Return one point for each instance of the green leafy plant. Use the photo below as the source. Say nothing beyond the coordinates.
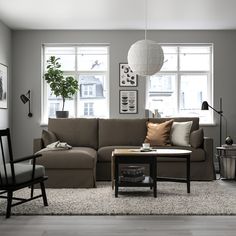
(60, 85)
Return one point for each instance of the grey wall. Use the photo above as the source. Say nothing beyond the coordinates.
(27, 72)
(5, 58)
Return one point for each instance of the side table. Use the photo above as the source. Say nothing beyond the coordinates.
(226, 157)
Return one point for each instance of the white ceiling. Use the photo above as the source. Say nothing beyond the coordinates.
(118, 14)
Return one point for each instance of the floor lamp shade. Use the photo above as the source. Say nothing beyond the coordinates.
(145, 57)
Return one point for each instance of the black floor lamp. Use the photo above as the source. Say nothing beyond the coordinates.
(205, 106)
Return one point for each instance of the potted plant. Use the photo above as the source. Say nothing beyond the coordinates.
(62, 86)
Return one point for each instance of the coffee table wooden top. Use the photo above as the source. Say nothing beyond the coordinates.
(153, 152)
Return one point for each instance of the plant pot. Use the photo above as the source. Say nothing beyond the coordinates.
(62, 114)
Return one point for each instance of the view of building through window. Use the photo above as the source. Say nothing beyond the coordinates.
(89, 65)
(183, 83)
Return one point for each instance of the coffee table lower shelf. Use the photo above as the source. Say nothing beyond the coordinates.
(147, 182)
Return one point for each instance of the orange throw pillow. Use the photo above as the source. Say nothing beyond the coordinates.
(158, 134)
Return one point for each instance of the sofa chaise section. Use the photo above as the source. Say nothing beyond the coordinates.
(75, 167)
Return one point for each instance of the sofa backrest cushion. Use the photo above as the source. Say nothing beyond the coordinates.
(195, 124)
(129, 132)
(77, 132)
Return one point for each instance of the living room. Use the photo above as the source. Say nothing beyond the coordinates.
(26, 33)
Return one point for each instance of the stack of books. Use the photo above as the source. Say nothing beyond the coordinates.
(132, 174)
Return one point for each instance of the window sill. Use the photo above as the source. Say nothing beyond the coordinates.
(207, 124)
(43, 124)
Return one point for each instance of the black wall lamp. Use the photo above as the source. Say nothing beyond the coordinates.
(205, 106)
(26, 98)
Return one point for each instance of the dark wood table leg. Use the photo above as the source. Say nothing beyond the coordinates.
(154, 176)
(116, 177)
(188, 173)
(151, 171)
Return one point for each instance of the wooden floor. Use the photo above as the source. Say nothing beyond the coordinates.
(120, 225)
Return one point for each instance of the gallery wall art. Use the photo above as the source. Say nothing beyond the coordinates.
(127, 77)
(3, 86)
(128, 101)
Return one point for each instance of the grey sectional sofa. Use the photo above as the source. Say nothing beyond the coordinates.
(93, 141)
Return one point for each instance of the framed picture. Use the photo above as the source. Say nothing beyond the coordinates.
(3, 86)
(128, 101)
(127, 77)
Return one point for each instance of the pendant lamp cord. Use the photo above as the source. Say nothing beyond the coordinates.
(145, 8)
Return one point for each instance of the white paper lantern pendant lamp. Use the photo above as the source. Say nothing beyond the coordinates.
(145, 57)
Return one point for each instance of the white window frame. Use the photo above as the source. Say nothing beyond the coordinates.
(179, 73)
(76, 73)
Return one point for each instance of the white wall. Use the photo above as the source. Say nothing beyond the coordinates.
(27, 72)
(5, 58)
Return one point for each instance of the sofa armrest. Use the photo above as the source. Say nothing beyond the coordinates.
(37, 144)
(208, 148)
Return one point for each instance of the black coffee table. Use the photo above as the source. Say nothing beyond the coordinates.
(136, 156)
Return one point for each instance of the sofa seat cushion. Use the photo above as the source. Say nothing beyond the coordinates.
(198, 154)
(75, 158)
(104, 153)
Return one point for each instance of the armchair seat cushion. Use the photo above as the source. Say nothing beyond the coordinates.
(23, 173)
(75, 158)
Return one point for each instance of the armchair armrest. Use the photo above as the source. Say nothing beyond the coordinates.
(31, 157)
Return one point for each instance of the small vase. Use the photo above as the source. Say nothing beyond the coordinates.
(229, 140)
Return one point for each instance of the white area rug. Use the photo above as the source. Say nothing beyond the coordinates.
(206, 198)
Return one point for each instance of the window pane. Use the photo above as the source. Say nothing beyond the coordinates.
(92, 86)
(170, 59)
(55, 104)
(195, 49)
(193, 91)
(92, 59)
(66, 55)
(162, 94)
(194, 59)
(93, 96)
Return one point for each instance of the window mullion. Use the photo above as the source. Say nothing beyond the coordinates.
(178, 81)
(76, 75)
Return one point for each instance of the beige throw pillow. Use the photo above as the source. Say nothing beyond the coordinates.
(48, 137)
(180, 132)
(158, 134)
